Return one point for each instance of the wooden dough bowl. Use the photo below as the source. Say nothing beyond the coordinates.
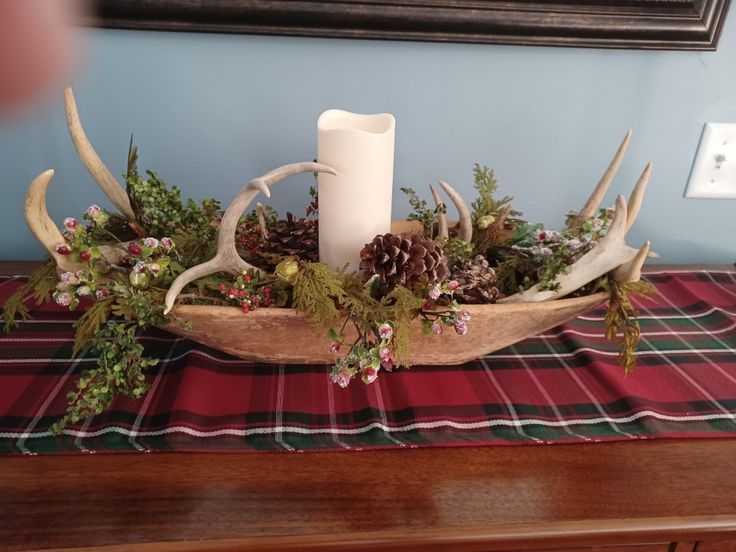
(286, 336)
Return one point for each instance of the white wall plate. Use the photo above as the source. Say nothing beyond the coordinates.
(714, 171)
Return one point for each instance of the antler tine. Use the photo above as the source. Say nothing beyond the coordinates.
(599, 191)
(610, 253)
(466, 223)
(41, 225)
(442, 230)
(631, 271)
(637, 196)
(261, 212)
(100, 173)
(227, 259)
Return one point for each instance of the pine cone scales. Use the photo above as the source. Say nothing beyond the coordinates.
(403, 260)
(297, 237)
(477, 281)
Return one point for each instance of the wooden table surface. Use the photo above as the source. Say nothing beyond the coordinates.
(474, 498)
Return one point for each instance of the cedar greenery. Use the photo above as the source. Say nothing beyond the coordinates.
(486, 205)
(39, 286)
(621, 318)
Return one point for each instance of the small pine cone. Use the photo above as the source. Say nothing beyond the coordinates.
(295, 237)
(477, 281)
(403, 260)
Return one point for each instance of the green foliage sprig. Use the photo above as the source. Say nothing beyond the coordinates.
(621, 318)
(161, 211)
(39, 286)
(486, 205)
(421, 212)
(120, 371)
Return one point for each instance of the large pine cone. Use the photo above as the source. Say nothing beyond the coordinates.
(477, 281)
(404, 260)
(295, 237)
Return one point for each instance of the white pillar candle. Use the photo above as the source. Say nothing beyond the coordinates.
(355, 205)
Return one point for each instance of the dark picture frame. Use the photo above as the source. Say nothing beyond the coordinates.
(641, 24)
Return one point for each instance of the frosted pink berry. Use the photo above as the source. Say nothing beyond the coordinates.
(388, 364)
(463, 315)
(93, 211)
(335, 347)
(461, 327)
(84, 291)
(102, 293)
(134, 249)
(139, 267)
(69, 278)
(369, 375)
(64, 299)
(151, 243)
(167, 243)
(384, 353)
(70, 223)
(452, 285)
(155, 268)
(434, 293)
(342, 378)
(385, 331)
(436, 328)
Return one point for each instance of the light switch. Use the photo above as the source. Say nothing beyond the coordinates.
(714, 171)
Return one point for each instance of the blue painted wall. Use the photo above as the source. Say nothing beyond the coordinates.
(209, 112)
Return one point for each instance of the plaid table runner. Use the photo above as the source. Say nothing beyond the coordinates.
(561, 386)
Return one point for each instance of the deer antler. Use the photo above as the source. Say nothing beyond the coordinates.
(466, 222)
(442, 229)
(227, 259)
(261, 212)
(611, 253)
(637, 196)
(41, 225)
(599, 191)
(631, 271)
(46, 232)
(100, 173)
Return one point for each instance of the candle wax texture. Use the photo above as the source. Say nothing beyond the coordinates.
(355, 205)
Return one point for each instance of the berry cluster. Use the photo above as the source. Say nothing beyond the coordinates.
(441, 309)
(363, 360)
(247, 292)
(75, 286)
(148, 258)
(78, 240)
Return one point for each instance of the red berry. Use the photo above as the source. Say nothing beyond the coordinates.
(267, 291)
(63, 249)
(85, 255)
(134, 249)
(427, 305)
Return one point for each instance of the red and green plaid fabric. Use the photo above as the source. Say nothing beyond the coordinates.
(562, 386)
